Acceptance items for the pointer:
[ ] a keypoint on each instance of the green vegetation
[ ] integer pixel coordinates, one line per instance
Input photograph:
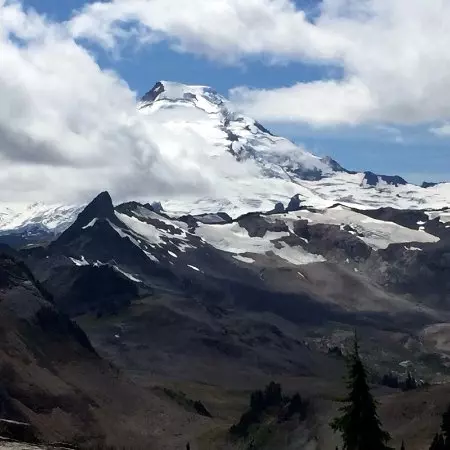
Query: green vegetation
(269, 404)
(441, 441)
(407, 384)
(359, 424)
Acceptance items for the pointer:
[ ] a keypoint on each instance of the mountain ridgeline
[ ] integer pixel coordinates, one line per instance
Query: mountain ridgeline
(149, 323)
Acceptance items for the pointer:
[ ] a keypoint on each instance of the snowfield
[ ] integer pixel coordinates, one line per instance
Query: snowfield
(232, 238)
(376, 233)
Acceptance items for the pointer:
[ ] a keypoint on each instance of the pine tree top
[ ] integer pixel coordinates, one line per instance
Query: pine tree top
(359, 423)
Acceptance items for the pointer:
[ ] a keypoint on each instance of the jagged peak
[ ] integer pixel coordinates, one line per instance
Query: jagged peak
(101, 207)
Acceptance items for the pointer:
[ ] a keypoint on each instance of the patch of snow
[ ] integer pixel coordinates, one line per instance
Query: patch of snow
(378, 234)
(233, 238)
(174, 255)
(133, 240)
(414, 249)
(297, 255)
(144, 230)
(244, 259)
(128, 275)
(194, 268)
(90, 224)
(444, 216)
(80, 262)
(150, 256)
(141, 232)
(183, 246)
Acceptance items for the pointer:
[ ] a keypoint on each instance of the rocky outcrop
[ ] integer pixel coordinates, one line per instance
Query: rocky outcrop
(294, 204)
(372, 179)
(257, 226)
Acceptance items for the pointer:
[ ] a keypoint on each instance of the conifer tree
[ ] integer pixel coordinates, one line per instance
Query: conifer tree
(438, 442)
(410, 383)
(445, 428)
(441, 441)
(359, 424)
(403, 446)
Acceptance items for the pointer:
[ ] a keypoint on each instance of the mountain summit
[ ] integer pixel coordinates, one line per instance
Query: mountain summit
(204, 111)
(248, 167)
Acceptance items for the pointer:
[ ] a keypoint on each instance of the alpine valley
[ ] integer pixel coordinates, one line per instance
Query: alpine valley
(179, 307)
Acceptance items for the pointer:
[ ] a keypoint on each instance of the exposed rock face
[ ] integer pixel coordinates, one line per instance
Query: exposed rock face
(294, 204)
(101, 208)
(257, 226)
(334, 164)
(100, 290)
(427, 184)
(153, 93)
(219, 218)
(17, 431)
(54, 380)
(337, 244)
(373, 179)
(422, 271)
(44, 338)
(278, 208)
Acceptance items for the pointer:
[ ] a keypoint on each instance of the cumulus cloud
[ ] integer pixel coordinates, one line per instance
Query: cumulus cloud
(442, 130)
(69, 129)
(219, 29)
(318, 102)
(393, 54)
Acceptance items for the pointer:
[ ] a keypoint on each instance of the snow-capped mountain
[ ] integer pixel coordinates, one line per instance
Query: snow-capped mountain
(22, 224)
(202, 110)
(390, 254)
(284, 169)
(256, 169)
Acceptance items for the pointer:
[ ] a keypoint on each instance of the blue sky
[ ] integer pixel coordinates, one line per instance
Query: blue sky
(408, 150)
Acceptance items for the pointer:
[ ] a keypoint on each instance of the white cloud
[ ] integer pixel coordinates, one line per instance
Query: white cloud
(69, 129)
(442, 130)
(318, 102)
(398, 60)
(394, 54)
(394, 134)
(219, 29)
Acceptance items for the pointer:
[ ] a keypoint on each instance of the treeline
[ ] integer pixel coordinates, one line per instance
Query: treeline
(270, 402)
(409, 383)
(359, 424)
(441, 440)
